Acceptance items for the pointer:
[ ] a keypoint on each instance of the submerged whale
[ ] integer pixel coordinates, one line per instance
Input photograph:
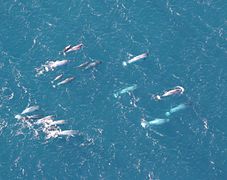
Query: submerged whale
(125, 90)
(176, 109)
(65, 81)
(92, 64)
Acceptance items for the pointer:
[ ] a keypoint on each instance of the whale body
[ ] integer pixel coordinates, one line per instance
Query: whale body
(155, 122)
(136, 58)
(30, 109)
(176, 109)
(125, 90)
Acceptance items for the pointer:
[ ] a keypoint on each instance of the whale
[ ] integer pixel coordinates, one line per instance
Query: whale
(71, 48)
(154, 122)
(50, 66)
(125, 90)
(30, 109)
(176, 109)
(56, 133)
(53, 123)
(25, 118)
(83, 64)
(174, 91)
(54, 64)
(57, 78)
(65, 81)
(135, 59)
(46, 119)
(92, 64)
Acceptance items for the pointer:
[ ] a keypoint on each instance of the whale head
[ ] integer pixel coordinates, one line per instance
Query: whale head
(124, 63)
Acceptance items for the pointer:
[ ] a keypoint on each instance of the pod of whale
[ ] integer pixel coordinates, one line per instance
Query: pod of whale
(51, 127)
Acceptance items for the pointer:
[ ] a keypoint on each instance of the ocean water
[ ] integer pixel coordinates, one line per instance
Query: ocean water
(187, 45)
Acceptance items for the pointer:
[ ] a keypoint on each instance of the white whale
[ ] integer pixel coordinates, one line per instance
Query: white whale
(155, 122)
(136, 58)
(176, 109)
(30, 109)
(125, 90)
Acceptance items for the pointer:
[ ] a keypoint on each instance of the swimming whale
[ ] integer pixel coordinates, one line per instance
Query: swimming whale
(30, 109)
(57, 78)
(50, 66)
(67, 80)
(71, 48)
(46, 119)
(135, 59)
(174, 91)
(26, 118)
(155, 122)
(125, 90)
(53, 123)
(176, 109)
(92, 64)
(83, 64)
(56, 133)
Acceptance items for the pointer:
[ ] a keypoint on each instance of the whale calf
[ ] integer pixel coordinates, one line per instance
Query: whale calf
(57, 78)
(83, 64)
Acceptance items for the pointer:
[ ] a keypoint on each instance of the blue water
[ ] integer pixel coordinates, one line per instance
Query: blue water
(187, 45)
